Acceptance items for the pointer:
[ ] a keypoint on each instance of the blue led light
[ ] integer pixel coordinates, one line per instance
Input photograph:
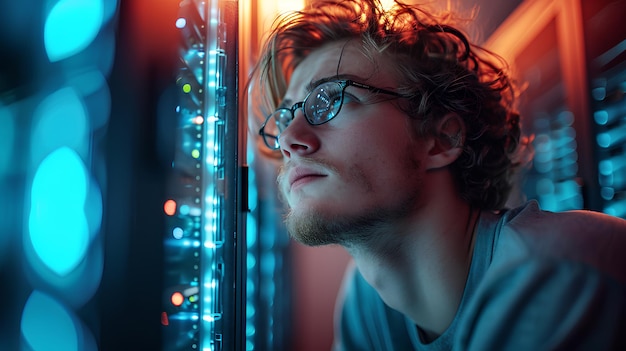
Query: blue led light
(603, 139)
(601, 117)
(253, 193)
(184, 210)
(57, 224)
(250, 311)
(71, 26)
(599, 93)
(607, 193)
(7, 136)
(61, 120)
(178, 233)
(48, 325)
(544, 186)
(93, 85)
(250, 287)
(251, 231)
(606, 167)
(617, 208)
(268, 263)
(251, 261)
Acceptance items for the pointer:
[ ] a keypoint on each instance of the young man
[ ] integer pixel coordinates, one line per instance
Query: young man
(399, 140)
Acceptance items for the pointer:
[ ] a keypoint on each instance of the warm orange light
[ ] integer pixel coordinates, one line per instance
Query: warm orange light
(170, 207)
(289, 5)
(177, 299)
(388, 4)
(198, 120)
(270, 9)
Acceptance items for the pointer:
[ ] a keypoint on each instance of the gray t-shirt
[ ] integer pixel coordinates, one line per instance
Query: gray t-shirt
(538, 281)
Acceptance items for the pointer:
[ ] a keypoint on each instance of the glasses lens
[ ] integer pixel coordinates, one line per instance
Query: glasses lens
(271, 141)
(323, 103)
(276, 123)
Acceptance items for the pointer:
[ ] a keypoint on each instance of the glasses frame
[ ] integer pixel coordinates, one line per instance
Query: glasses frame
(343, 83)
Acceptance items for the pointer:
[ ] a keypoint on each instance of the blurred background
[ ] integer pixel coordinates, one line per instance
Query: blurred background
(135, 212)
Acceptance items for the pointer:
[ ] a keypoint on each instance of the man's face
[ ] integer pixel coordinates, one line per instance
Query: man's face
(357, 174)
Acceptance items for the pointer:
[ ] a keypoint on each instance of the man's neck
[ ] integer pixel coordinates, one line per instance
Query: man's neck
(422, 268)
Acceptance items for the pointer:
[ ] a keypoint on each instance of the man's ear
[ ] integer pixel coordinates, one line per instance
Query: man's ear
(447, 143)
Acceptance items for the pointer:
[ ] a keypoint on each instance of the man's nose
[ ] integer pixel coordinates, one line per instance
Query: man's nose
(299, 138)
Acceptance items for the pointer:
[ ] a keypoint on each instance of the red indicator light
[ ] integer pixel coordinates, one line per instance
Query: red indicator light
(177, 299)
(169, 207)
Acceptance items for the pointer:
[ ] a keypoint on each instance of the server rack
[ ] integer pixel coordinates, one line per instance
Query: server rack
(572, 56)
(605, 40)
(204, 244)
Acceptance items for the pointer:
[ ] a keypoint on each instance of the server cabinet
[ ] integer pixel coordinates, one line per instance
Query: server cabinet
(570, 56)
(204, 243)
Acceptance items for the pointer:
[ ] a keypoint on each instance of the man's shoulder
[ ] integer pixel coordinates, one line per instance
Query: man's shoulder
(556, 281)
(541, 303)
(580, 236)
(531, 218)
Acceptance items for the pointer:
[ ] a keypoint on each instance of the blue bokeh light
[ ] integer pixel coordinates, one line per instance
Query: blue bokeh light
(60, 120)
(96, 97)
(71, 26)
(603, 139)
(58, 227)
(601, 117)
(7, 137)
(48, 325)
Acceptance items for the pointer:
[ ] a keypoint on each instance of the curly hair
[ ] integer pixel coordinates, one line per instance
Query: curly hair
(441, 72)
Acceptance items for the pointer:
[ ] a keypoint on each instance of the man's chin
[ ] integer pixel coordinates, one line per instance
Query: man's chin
(310, 229)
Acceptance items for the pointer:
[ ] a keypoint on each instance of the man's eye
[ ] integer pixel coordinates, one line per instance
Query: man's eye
(348, 98)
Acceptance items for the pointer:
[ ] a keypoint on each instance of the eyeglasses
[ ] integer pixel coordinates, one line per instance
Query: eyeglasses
(320, 106)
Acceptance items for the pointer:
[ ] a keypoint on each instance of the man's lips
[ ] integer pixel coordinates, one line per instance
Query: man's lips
(299, 174)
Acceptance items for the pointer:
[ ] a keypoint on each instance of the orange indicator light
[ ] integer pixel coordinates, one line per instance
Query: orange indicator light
(177, 299)
(170, 207)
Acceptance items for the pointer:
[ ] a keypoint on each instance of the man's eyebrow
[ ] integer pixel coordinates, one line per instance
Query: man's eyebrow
(312, 85)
